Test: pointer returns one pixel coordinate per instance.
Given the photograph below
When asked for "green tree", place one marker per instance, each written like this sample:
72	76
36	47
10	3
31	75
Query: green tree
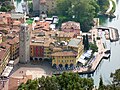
3	9
104	5
32	84
116	77
6	8
101	85
22	87
71	81
93	47
82	11
115	85
84	41
87	42
4	0
65	81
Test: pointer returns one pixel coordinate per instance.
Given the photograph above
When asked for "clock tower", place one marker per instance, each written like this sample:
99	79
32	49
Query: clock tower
24	44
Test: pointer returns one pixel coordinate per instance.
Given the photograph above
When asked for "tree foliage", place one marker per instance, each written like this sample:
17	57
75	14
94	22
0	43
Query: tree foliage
116	77
104	5
82	11
84	39
86	42
4	0
5	7
70	81
66	81
93	47
101	85
115	85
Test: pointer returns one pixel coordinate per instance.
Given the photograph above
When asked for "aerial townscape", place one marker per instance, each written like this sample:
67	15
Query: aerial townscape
59	45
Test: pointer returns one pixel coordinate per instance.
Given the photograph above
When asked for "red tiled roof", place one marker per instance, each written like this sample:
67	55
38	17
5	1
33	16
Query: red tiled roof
64	53
70	25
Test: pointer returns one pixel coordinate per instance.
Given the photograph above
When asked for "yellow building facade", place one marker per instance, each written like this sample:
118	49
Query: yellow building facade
14	48
76	45
47	52
64	59
4	56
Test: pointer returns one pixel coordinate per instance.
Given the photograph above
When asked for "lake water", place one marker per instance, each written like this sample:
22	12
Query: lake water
107	66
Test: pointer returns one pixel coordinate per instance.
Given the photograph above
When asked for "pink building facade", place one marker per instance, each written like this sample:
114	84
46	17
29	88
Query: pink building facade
71	26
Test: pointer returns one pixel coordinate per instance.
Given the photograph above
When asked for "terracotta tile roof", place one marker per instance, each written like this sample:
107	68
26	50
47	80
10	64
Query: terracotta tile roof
13	41
3	17
42	41
15	30
64	53
2	14
16	23
65	34
16	39
37	39
42	25
5	28
70	25
4	45
56	49
10	42
10	35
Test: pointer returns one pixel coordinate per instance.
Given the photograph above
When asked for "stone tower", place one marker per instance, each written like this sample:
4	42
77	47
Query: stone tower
36	4
24	44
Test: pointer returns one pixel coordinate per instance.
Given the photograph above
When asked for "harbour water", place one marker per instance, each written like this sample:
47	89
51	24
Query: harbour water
106	67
